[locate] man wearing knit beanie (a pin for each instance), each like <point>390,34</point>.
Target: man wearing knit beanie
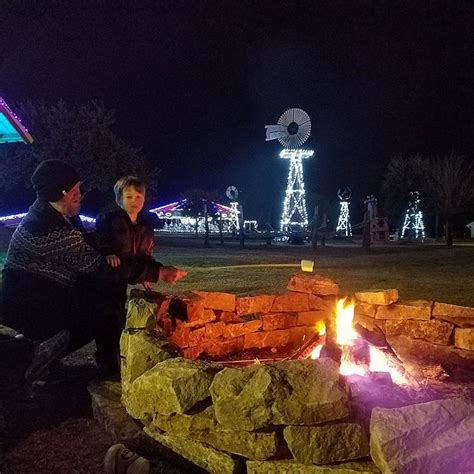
<point>41,293</point>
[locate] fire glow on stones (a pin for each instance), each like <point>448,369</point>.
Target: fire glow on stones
<point>347,338</point>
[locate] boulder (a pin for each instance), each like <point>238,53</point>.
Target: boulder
<point>172,386</point>
<point>436,331</point>
<point>378,297</point>
<point>312,284</point>
<point>464,338</point>
<point>254,304</point>
<point>203,426</point>
<point>290,302</point>
<point>326,444</point>
<point>288,392</point>
<point>292,467</point>
<point>140,350</point>
<point>413,309</point>
<point>434,437</point>
<point>141,314</point>
<point>210,459</point>
<point>216,300</point>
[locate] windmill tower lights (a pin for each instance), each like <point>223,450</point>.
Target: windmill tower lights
<point>344,223</point>
<point>414,217</point>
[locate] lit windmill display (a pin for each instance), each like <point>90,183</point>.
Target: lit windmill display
<point>232,193</point>
<point>292,130</point>
<point>414,218</point>
<point>344,223</point>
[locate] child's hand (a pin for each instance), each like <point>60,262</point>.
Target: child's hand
<point>113,260</point>
<point>171,274</point>
<point>147,285</point>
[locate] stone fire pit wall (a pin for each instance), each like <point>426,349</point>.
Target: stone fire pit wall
<point>285,416</point>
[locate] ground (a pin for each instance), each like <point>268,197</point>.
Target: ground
<point>55,432</point>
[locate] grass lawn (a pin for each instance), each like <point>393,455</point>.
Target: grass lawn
<point>417,271</point>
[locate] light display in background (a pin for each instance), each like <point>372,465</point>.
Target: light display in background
<point>11,128</point>
<point>344,228</point>
<point>14,219</point>
<point>413,224</point>
<point>295,216</point>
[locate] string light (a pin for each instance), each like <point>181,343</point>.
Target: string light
<point>14,217</point>
<point>414,217</point>
<point>294,205</point>
<point>344,224</point>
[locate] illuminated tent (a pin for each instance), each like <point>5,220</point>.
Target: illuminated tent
<point>187,215</point>
<point>11,129</point>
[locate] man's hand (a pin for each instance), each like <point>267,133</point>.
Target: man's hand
<point>171,274</point>
<point>113,260</point>
<point>147,285</point>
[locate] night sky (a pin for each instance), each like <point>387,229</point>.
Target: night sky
<point>194,83</point>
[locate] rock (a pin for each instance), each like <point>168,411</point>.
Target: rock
<point>313,284</point>
<point>415,309</point>
<point>189,309</point>
<point>365,309</point>
<point>215,330</point>
<point>197,336</point>
<point>207,316</point>
<point>312,318</point>
<point>289,392</point>
<point>254,304</point>
<point>436,331</point>
<point>293,467</point>
<point>210,459</point>
<point>464,338</point>
<point>379,297</point>
<point>172,386</point>
<point>203,426</point>
<point>218,348</point>
<point>216,300</point>
<point>291,337</point>
<point>290,302</point>
<point>453,312</point>
<point>434,437</point>
<point>180,336</point>
<point>328,443</point>
<point>274,321</point>
<point>239,329</point>
<point>140,350</point>
<point>230,317</point>
<point>417,354</point>
<point>325,303</point>
<point>141,314</point>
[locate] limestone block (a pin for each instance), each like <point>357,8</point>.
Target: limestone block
<point>379,297</point>
<point>293,467</point>
<point>206,316</point>
<point>230,317</point>
<point>197,336</point>
<point>239,329</point>
<point>260,340</point>
<point>462,316</point>
<point>274,321</point>
<point>434,330</point>
<point>434,437</point>
<point>290,302</point>
<point>254,304</point>
<point>464,338</point>
<point>210,459</point>
<point>203,426</point>
<point>180,336</point>
<point>219,348</point>
<point>141,314</point>
<point>172,386</point>
<point>312,318</point>
<point>326,303</point>
<point>188,308</point>
<point>289,392</point>
<point>314,284</point>
<point>365,309</point>
<point>408,309</point>
<point>216,300</point>
<point>326,444</point>
<point>215,330</point>
<point>140,350</point>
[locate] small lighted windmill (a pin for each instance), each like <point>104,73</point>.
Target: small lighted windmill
<point>292,130</point>
<point>344,223</point>
<point>414,218</point>
<point>232,193</point>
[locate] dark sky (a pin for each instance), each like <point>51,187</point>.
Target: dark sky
<point>194,83</point>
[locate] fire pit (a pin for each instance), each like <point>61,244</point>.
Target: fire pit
<point>286,383</point>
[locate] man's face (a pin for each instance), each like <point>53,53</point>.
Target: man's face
<point>132,200</point>
<point>71,201</point>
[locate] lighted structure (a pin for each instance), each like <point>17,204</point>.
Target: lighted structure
<point>187,216</point>
<point>413,224</point>
<point>11,128</point>
<point>379,229</point>
<point>292,130</point>
<point>232,193</point>
<point>344,228</point>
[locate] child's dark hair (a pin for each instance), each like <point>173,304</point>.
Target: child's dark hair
<point>128,182</point>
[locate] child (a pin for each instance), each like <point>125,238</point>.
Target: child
<point>123,233</point>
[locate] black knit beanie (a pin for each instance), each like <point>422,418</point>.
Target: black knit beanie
<point>52,177</point>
